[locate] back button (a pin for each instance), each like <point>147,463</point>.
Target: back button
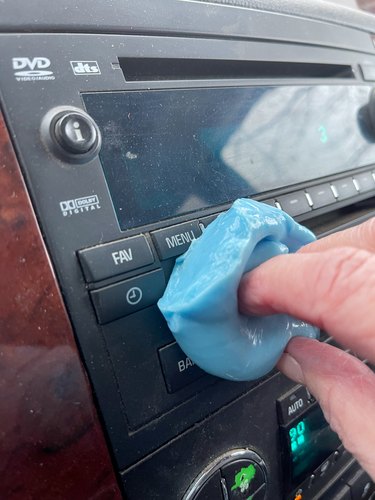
<point>178,369</point>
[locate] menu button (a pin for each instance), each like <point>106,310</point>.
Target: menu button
<point>175,240</point>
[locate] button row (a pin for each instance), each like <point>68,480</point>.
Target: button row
<point>354,484</point>
<point>319,478</point>
<point>122,256</point>
<point>361,485</point>
<point>111,259</point>
<point>129,254</point>
<point>303,201</point>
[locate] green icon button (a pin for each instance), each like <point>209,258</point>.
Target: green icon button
<point>243,478</point>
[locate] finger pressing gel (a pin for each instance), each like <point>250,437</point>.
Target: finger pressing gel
<point>200,302</point>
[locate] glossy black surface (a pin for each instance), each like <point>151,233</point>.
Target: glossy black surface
<point>171,152</point>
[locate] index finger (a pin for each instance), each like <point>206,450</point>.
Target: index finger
<point>361,236</point>
<point>334,290</point>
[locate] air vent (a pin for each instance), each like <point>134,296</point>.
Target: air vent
<point>152,69</point>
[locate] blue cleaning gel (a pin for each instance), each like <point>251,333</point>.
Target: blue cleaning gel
<point>200,302</point>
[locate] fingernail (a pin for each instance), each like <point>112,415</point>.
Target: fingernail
<point>291,368</point>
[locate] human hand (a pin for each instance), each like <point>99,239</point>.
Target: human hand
<point>331,284</point>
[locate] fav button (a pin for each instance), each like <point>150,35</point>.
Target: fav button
<point>243,478</point>
<point>105,261</point>
<point>178,369</point>
<point>175,240</point>
<point>118,300</point>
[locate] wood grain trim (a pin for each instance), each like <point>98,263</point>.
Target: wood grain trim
<point>51,442</point>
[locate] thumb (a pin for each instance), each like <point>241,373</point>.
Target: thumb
<point>345,389</point>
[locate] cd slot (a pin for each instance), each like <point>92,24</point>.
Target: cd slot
<point>152,69</point>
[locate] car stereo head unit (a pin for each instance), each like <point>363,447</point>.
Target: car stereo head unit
<point>131,144</point>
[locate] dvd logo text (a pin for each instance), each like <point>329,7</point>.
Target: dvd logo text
<point>27,69</point>
<point>36,66</point>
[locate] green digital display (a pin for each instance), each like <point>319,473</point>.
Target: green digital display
<point>310,442</point>
<point>297,436</point>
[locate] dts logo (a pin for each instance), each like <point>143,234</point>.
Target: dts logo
<point>85,67</point>
<point>24,66</point>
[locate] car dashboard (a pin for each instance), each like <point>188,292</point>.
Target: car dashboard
<point>126,129</point>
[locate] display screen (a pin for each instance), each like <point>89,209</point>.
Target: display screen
<point>171,152</point>
<point>310,442</point>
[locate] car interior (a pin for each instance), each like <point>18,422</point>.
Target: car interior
<point>126,128</point>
